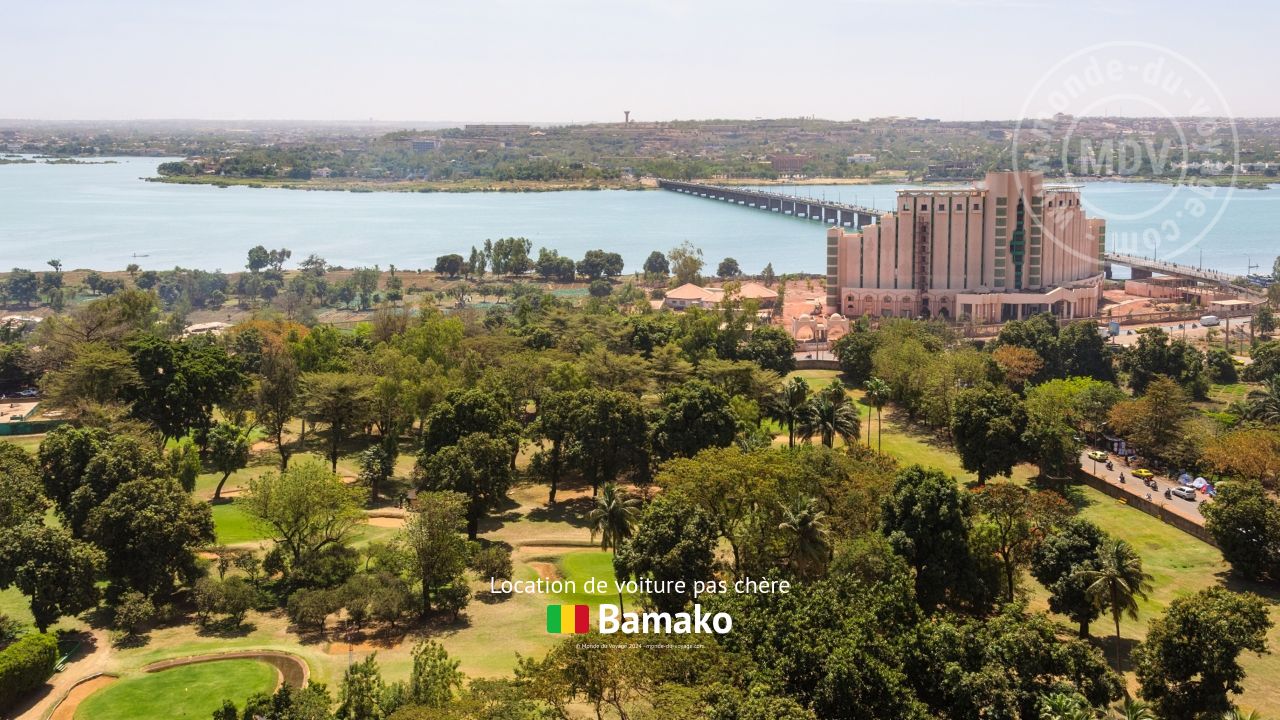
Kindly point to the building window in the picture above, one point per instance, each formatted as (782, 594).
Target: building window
(924, 207)
(906, 206)
(977, 206)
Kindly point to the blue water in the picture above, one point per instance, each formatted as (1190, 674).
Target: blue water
(101, 216)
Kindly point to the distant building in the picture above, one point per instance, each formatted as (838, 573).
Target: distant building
(497, 128)
(208, 328)
(690, 295)
(788, 164)
(1001, 249)
(860, 159)
(423, 144)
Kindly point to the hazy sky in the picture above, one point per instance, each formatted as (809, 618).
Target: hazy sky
(581, 60)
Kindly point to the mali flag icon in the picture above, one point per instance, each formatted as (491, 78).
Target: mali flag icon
(568, 619)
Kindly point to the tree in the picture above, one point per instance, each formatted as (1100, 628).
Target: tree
(877, 396)
(656, 265)
(693, 416)
(1264, 320)
(439, 552)
(1263, 403)
(1155, 422)
(53, 569)
(673, 541)
(1245, 522)
(1084, 352)
(1155, 355)
(479, 467)
(854, 350)
(1038, 333)
(377, 465)
(1250, 453)
(986, 427)
(1060, 563)
(182, 382)
(1189, 662)
(831, 417)
(768, 275)
(277, 398)
(23, 286)
(435, 677)
(461, 413)
(927, 522)
(96, 374)
(450, 265)
(258, 258)
(790, 406)
(228, 446)
(1017, 364)
(307, 508)
(339, 400)
(598, 264)
(612, 517)
(728, 269)
(772, 348)
(1118, 583)
(1016, 519)
(81, 467)
(21, 495)
(361, 695)
(686, 263)
(805, 524)
(150, 530)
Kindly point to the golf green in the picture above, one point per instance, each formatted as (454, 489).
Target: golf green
(188, 691)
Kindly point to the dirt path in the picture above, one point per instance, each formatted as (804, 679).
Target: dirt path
(66, 709)
(90, 660)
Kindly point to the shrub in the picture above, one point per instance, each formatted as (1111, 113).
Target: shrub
(207, 596)
(238, 597)
(310, 608)
(25, 665)
(453, 598)
(10, 629)
(492, 562)
(134, 612)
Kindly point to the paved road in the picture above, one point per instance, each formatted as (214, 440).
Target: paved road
(1133, 486)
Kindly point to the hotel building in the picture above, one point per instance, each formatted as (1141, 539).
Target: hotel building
(1002, 249)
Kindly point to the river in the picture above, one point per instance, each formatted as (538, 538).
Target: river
(103, 216)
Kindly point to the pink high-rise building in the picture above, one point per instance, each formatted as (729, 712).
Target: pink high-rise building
(1004, 248)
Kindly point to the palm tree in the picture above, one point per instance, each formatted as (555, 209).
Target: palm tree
(1118, 583)
(790, 407)
(828, 419)
(806, 522)
(614, 514)
(877, 395)
(1263, 404)
(1064, 706)
(1238, 714)
(1135, 710)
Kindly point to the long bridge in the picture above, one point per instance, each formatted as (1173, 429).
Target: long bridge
(1144, 267)
(830, 213)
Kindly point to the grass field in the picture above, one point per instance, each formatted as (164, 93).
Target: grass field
(191, 691)
(233, 526)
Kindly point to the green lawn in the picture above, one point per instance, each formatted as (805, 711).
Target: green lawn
(233, 526)
(191, 691)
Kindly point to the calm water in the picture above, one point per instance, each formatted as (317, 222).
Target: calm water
(101, 216)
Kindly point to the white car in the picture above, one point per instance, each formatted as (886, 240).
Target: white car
(1185, 492)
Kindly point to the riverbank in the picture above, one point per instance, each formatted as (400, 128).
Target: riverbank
(403, 186)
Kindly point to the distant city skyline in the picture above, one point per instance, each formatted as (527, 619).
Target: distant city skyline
(564, 61)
